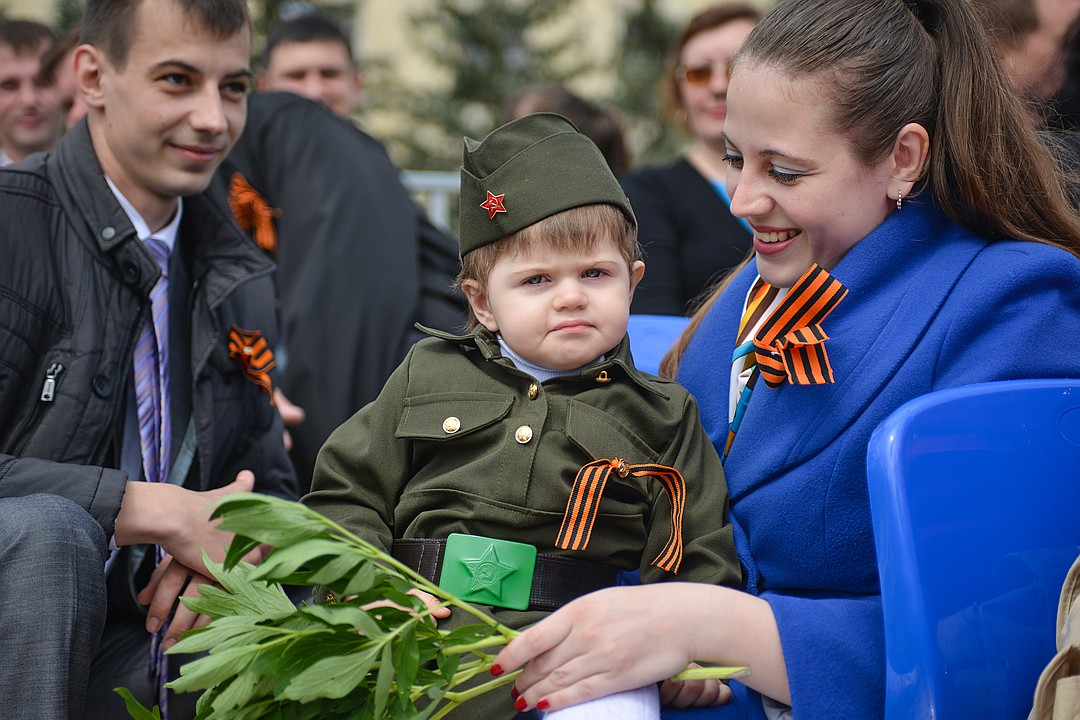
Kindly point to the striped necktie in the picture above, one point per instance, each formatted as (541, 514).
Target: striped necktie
(151, 361)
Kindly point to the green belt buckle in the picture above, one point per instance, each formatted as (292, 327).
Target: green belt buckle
(488, 571)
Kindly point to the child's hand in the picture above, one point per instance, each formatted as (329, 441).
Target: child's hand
(438, 610)
(694, 693)
(432, 603)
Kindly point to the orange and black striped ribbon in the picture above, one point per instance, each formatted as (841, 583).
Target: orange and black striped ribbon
(250, 349)
(584, 503)
(253, 214)
(790, 345)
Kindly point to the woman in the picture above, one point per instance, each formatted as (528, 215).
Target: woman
(689, 237)
(858, 146)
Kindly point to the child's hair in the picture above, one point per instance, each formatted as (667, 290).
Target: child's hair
(579, 228)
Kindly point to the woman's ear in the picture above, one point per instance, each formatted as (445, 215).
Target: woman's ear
(909, 157)
(478, 301)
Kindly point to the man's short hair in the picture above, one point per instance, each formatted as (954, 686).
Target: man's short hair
(309, 27)
(109, 25)
(25, 36)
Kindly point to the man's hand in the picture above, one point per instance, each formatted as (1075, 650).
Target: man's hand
(291, 414)
(170, 581)
(178, 520)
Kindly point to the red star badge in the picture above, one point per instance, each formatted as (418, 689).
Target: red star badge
(493, 204)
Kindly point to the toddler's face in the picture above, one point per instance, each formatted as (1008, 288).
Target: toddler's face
(559, 311)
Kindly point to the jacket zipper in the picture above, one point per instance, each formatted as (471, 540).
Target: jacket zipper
(48, 394)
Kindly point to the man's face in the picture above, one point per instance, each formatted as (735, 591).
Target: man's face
(319, 70)
(30, 115)
(163, 122)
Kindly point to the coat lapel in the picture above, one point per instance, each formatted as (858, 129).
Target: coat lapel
(897, 277)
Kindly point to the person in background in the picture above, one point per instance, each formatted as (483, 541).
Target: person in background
(688, 234)
(600, 124)
(134, 372)
(58, 71)
(310, 55)
(30, 116)
(900, 249)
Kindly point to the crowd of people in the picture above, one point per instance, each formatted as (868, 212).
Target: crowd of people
(206, 290)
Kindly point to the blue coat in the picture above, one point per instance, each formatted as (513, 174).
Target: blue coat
(930, 306)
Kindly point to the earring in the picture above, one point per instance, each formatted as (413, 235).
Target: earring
(899, 199)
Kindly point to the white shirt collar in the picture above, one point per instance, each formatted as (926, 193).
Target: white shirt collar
(166, 234)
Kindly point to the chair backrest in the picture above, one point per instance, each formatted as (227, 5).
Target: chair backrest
(975, 497)
(651, 336)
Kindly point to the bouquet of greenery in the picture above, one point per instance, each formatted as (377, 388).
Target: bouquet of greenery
(263, 657)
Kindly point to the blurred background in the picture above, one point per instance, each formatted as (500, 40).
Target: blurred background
(435, 70)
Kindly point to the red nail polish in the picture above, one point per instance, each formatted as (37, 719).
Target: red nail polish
(514, 693)
(543, 704)
(520, 705)
(496, 670)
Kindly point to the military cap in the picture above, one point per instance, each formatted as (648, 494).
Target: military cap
(527, 170)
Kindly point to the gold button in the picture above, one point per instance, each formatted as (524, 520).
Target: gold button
(603, 377)
(534, 390)
(451, 425)
(524, 434)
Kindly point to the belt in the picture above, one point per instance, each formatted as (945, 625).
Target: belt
(556, 579)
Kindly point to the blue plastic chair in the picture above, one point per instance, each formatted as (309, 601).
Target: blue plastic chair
(651, 336)
(975, 497)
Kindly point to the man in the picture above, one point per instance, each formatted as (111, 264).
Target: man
(122, 359)
(30, 115)
(58, 71)
(311, 56)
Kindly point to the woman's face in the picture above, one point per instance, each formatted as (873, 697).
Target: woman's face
(794, 178)
(702, 77)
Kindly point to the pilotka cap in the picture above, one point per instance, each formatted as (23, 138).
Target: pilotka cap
(527, 170)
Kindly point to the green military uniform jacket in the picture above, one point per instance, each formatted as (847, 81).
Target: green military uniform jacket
(461, 441)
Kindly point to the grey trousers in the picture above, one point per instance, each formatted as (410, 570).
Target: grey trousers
(52, 605)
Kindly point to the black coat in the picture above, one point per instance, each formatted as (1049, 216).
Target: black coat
(358, 262)
(74, 283)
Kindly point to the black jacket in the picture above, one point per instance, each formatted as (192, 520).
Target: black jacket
(74, 282)
(358, 261)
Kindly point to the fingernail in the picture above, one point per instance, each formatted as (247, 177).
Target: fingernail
(496, 670)
(169, 642)
(514, 693)
(153, 624)
(520, 704)
(543, 704)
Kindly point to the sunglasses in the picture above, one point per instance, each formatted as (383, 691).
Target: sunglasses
(699, 74)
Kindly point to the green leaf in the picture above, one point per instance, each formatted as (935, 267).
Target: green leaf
(213, 669)
(135, 708)
(384, 680)
(407, 658)
(355, 617)
(333, 677)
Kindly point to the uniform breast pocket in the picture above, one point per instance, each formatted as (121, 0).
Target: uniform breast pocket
(602, 437)
(451, 416)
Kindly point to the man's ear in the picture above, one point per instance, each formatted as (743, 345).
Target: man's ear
(88, 75)
(478, 301)
(909, 157)
(637, 271)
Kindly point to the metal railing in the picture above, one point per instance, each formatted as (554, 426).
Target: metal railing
(437, 192)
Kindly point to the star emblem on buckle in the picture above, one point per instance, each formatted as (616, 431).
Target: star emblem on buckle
(488, 573)
(493, 204)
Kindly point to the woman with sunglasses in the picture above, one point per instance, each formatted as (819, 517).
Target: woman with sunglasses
(689, 236)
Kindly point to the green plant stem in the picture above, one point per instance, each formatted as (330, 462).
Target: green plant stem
(455, 698)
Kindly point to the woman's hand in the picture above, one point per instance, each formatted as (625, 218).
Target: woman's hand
(605, 642)
(627, 637)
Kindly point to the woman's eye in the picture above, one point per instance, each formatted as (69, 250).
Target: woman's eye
(734, 161)
(783, 177)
